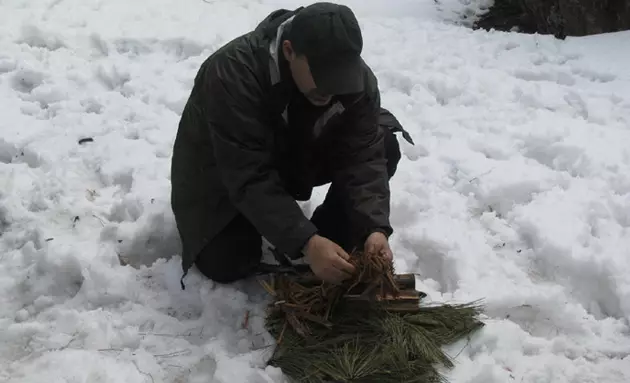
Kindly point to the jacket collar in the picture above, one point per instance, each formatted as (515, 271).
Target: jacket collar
(275, 67)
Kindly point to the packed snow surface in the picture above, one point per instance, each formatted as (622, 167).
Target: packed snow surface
(516, 192)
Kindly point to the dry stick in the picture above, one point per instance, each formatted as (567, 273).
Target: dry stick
(267, 287)
(142, 372)
(308, 316)
(99, 218)
(245, 323)
(305, 298)
(463, 348)
(284, 327)
(173, 354)
(403, 296)
(403, 281)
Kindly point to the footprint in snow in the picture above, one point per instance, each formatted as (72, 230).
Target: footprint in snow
(91, 105)
(539, 319)
(559, 77)
(585, 282)
(8, 152)
(593, 75)
(432, 262)
(11, 154)
(4, 219)
(561, 157)
(113, 77)
(7, 65)
(36, 38)
(25, 80)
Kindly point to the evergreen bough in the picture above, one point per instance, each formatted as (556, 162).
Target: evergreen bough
(371, 328)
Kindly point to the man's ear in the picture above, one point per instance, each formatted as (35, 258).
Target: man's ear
(287, 50)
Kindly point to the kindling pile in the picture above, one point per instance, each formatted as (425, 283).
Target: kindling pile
(371, 328)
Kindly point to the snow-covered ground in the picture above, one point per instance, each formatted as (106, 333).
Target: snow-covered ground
(517, 192)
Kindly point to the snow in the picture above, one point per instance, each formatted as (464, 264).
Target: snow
(516, 192)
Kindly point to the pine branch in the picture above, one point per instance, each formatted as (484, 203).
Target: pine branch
(370, 329)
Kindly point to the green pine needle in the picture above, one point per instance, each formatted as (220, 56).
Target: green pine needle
(363, 343)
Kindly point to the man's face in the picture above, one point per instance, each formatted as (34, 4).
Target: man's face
(302, 76)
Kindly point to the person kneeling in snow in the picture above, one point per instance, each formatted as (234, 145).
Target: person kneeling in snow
(273, 114)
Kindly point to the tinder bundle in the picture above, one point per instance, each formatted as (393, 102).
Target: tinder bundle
(372, 328)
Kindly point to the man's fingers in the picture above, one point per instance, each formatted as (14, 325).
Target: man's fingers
(386, 252)
(343, 265)
(342, 253)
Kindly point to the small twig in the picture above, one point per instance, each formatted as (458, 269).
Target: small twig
(168, 335)
(481, 175)
(308, 316)
(245, 324)
(293, 306)
(262, 347)
(267, 287)
(172, 354)
(463, 348)
(68, 344)
(284, 327)
(176, 366)
(142, 372)
(99, 219)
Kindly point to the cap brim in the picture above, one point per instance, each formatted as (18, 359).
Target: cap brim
(341, 76)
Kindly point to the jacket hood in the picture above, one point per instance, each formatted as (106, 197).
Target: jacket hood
(272, 27)
(269, 25)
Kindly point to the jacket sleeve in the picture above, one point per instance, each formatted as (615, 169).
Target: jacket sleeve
(361, 169)
(242, 143)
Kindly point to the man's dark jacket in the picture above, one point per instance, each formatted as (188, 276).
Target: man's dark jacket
(235, 151)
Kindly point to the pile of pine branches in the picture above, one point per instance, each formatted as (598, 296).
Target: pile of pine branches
(371, 328)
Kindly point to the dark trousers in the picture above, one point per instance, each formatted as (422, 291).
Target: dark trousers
(236, 251)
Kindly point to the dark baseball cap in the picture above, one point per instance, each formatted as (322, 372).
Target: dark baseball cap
(330, 37)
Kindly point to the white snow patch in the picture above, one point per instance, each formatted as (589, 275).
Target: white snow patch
(517, 192)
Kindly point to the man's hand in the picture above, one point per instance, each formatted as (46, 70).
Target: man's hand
(328, 260)
(377, 243)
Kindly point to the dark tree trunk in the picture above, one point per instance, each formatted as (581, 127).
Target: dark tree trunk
(560, 18)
